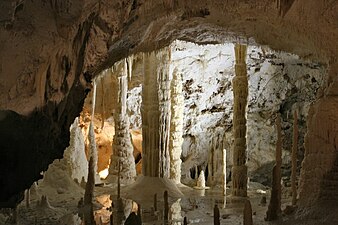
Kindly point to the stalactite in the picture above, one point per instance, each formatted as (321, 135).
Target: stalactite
(240, 91)
(247, 213)
(294, 158)
(155, 111)
(176, 127)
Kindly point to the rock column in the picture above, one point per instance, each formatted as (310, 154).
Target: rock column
(122, 145)
(155, 111)
(240, 89)
(176, 127)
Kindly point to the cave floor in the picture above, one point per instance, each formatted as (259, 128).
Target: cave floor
(196, 205)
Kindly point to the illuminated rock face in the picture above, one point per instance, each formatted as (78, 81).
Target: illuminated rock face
(49, 53)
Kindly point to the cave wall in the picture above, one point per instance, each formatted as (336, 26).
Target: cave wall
(51, 49)
(278, 82)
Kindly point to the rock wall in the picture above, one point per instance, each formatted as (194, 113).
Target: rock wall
(51, 49)
(318, 191)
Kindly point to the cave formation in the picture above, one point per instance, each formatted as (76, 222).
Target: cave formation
(51, 52)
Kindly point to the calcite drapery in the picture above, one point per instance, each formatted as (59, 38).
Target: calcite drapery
(176, 127)
(155, 112)
(122, 145)
(240, 90)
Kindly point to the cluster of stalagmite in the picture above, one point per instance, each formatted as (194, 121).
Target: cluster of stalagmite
(155, 112)
(176, 127)
(240, 90)
(122, 145)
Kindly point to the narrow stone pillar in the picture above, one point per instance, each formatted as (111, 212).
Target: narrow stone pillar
(28, 198)
(247, 213)
(216, 216)
(92, 165)
(240, 90)
(155, 111)
(294, 158)
(224, 172)
(278, 176)
(166, 207)
(122, 145)
(176, 127)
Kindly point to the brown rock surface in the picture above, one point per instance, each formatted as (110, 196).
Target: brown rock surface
(50, 52)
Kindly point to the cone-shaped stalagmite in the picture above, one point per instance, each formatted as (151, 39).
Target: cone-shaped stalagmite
(176, 127)
(240, 90)
(122, 145)
(155, 112)
(274, 208)
(294, 158)
(166, 207)
(216, 215)
(247, 213)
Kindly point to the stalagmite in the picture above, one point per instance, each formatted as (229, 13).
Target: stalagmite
(211, 164)
(247, 213)
(28, 198)
(224, 172)
(294, 158)
(122, 145)
(274, 208)
(216, 215)
(175, 213)
(272, 213)
(89, 190)
(240, 91)
(155, 202)
(279, 163)
(155, 112)
(139, 212)
(166, 207)
(176, 127)
(92, 166)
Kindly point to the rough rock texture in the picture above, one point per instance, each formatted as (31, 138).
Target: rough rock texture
(122, 145)
(240, 91)
(176, 127)
(61, 174)
(48, 48)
